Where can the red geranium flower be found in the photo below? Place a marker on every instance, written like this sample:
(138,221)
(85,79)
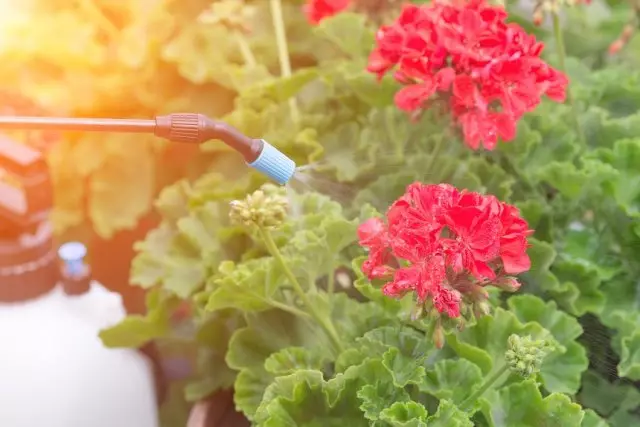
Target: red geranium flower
(445,246)
(490,72)
(317,10)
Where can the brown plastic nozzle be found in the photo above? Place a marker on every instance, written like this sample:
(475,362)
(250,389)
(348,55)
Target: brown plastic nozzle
(198,128)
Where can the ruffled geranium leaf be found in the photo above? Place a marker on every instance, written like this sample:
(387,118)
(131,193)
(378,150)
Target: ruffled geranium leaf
(247,286)
(271,332)
(521,404)
(302,399)
(291,359)
(349,32)
(405,414)
(411,343)
(485,342)
(212,337)
(284,88)
(267,333)
(544,136)
(561,371)
(136,330)
(403,370)
(624,157)
(621,313)
(606,397)
(452,379)
(592,419)
(585,245)
(379,396)
(449,415)
(540,278)
(629,366)
(365,85)
(579,291)
(494,180)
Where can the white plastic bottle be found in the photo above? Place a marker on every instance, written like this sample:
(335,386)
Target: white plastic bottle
(54,370)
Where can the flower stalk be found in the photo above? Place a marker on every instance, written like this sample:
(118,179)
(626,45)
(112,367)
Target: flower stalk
(283,51)
(557,32)
(323,321)
(488,383)
(245,50)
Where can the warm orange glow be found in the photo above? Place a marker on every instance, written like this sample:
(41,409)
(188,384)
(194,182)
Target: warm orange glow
(12,14)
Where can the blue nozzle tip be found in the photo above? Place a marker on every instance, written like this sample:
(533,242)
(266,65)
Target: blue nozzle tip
(274,164)
(72,252)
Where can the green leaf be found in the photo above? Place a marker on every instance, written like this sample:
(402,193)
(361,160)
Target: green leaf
(452,380)
(403,370)
(291,359)
(579,289)
(248,286)
(379,396)
(366,86)
(629,366)
(624,157)
(349,32)
(113,203)
(267,333)
(591,419)
(134,331)
(606,397)
(304,399)
(284,88)
(561,371)
(485,343)
(405,414)
(448,415)
(539,278)
(522,405)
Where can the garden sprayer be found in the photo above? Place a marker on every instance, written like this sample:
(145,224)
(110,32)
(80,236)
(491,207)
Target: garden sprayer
(51,305)
(181,127)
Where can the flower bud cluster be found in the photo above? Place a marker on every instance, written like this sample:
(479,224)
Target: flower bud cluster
(525,355)
(264,208)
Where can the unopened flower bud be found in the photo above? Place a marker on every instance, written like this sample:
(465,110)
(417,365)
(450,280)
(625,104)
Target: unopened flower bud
(538,18)
(417,312)
(265,208)
(509,284)
(438,336)
(616,47)
(481,308)
(525,355)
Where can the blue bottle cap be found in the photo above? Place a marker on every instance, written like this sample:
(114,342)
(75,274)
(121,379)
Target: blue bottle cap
(72,252)
(274,164)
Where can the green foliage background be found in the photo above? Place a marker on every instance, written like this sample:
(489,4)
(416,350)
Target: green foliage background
(138,59)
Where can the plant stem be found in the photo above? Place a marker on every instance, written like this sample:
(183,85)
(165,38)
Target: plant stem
(557,32)
(484,387)
(283,50)
(324,322)
(435,153)
(245,49)
(331,282)
(287,308)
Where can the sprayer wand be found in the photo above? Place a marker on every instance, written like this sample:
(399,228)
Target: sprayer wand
(181,127)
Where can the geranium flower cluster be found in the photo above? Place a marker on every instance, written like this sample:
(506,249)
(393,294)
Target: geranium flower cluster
(445,245)
(488,72)
(317,10)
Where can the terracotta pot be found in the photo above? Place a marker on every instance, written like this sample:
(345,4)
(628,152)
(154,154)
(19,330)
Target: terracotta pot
(217,411)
